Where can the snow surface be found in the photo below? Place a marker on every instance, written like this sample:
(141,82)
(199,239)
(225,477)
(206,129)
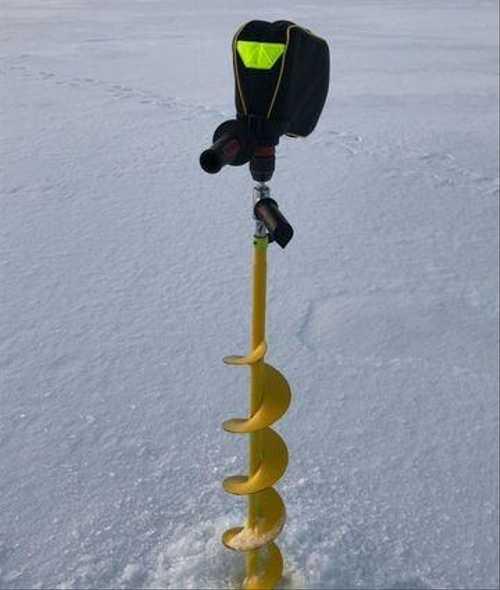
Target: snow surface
(124,273)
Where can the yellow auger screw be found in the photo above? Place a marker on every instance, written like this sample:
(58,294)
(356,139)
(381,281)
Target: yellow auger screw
(268,458)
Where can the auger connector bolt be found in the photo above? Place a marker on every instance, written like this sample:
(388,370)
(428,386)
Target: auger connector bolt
(267,211)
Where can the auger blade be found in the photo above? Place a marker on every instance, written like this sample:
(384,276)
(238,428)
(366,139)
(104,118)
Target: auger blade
(270,522)
(275,401)
(270,570)
(250,359)
(271,469)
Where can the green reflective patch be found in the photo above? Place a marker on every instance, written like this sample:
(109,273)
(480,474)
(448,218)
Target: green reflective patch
(260,56)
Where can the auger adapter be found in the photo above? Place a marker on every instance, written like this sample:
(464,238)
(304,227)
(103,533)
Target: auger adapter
(266,210)
(281,82)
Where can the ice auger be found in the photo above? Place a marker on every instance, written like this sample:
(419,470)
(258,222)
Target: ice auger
(281,82)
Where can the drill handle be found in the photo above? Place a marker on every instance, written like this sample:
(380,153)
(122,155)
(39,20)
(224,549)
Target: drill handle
(230,146)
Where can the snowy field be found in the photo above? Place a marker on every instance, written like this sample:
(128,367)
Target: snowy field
(124,280)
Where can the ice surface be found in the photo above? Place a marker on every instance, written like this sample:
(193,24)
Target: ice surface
(124,280)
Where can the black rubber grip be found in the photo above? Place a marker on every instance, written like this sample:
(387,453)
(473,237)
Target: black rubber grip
(230,146)
(224,151)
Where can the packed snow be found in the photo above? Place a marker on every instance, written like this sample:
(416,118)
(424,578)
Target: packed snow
(125,280)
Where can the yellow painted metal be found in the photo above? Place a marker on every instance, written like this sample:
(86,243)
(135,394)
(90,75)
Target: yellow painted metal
(267,573)
(275,401)
(254,356)
(269,525)
(271,464)
(268,456)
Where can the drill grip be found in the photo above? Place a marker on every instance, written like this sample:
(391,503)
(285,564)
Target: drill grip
(230,146)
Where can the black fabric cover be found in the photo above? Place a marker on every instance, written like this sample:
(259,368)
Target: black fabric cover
(298,81)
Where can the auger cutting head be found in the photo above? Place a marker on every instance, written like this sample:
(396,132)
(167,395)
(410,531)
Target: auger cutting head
(281,83)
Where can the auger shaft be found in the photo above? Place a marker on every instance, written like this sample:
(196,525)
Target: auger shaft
(258,329)
(270,397)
